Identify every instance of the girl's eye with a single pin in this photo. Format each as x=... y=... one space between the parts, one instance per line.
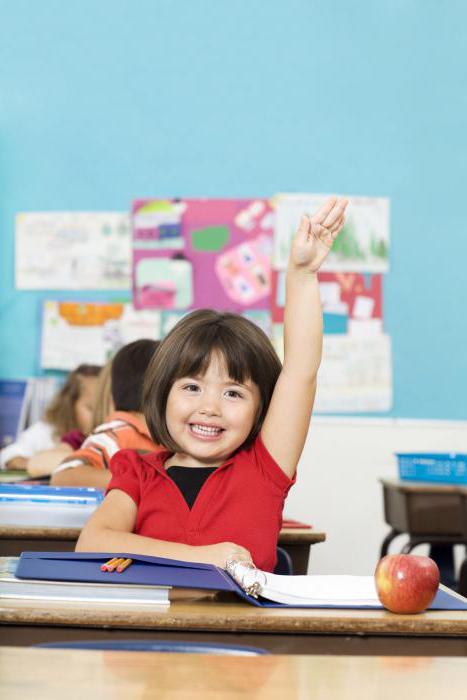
x=191 y=387
x=233 y=394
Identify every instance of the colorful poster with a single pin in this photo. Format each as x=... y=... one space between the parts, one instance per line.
x=75 y=332
x=202 y=253
x=362 y=245
x=351 y=302
x=73 y=250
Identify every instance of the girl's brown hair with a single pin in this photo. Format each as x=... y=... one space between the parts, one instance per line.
x=103 y=404
x=186 y=351
x=61 y=411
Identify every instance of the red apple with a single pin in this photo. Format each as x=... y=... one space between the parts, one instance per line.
x=406 y=583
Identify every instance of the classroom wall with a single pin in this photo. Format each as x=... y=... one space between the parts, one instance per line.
x=103 y=102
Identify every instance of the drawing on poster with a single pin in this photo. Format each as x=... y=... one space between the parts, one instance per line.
x=73 y=250
x=244 y=270
x=157 y=224
x=163 y=283
x=362 y=245
x=77 y=332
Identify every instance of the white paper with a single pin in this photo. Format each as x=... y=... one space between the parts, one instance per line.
x=363 y=307
x=73 y=250
x=370 y=327
x=338 y=591
x=363 y=244
x=355 y=375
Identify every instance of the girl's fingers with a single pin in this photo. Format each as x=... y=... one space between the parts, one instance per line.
x=320 y=216
x=336 y=227
x=328 y=234
x=336 y=213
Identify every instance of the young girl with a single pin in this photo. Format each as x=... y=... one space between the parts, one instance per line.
x=233 y=423
x=70 y=410
x=46 y=461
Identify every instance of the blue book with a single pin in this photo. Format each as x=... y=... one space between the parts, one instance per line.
x=51 y=495
x=12 y=400
x=256 y=587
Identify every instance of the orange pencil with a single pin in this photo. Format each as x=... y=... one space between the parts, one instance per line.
x=105 y=566
x=114 y=564
x=124 y=565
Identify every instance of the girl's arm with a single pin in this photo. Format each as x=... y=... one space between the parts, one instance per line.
x=38 y=436
x=44 y=462
x=84 y=475
x=110 y=529
x=286 y=424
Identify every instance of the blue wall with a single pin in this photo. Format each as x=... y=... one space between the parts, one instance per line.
x=104 y=101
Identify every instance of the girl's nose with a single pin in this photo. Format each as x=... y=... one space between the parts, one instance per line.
x=209 y=410
x=209 y=406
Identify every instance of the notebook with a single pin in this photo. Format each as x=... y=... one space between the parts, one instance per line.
x=34 y=589
x=253 y=585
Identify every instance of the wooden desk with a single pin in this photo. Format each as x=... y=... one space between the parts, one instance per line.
x=229 y=620
x=33 y=674
x=14 y=540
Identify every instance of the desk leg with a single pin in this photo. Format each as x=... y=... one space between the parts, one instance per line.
x=442 y=553
x=300 y=555
x=387 y=541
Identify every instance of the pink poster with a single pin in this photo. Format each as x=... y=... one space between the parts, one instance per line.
x=202 y=253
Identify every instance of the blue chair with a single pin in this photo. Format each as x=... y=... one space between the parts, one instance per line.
x=284 y=564
x=159 y=646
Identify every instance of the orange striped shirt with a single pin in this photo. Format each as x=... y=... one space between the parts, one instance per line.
x=120 y=431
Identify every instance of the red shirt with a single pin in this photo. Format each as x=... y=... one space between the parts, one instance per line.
x=240 y=502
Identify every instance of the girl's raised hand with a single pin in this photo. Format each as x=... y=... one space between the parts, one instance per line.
x=316 y=234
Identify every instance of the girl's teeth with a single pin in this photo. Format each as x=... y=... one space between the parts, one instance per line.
x=205 y=430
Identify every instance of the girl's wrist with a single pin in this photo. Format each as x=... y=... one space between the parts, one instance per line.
x=301 y=271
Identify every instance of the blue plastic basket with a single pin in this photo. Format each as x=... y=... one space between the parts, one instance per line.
x=439 y=467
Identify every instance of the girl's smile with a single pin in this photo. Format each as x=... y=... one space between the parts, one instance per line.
x=205 y=431
x=210 y=416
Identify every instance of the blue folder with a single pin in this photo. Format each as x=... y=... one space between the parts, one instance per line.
x=145 y=570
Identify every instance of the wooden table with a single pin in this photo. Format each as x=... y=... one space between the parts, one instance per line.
x=230 y=620
x=14 y=540
x=33 y=674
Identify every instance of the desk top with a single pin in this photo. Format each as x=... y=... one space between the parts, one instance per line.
x=192 y=612
x=27 y=673
x=423 y=486
x=15 y=532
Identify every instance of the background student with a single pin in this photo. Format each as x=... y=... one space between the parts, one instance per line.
x=45 y=462
x=125 y=427
x=233 y=423
x=70 y=410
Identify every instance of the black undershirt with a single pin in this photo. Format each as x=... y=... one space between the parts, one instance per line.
x=190 y=480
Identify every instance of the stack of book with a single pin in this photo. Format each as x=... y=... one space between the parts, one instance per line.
x=75 y=592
